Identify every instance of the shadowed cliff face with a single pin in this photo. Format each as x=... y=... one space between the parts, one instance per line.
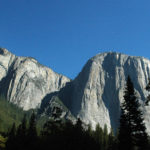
x=25 y=82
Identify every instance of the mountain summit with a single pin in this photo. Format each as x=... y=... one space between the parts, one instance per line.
x=26 y=82
x=97 y=92
x=94 y=95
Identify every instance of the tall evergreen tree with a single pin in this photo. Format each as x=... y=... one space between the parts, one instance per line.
x=32 y=132
x=132 y=131
x=22 y=129
x=99 y=136
x=105 y=138
x=21 y=135
x=111 y=141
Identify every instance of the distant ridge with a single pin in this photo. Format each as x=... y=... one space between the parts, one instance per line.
x=94 y=95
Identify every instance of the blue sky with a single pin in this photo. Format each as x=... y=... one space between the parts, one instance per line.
x=64 y=34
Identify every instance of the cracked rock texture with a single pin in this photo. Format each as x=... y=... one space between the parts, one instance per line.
x=49 y=108
x=25 y=82
x=96 y=93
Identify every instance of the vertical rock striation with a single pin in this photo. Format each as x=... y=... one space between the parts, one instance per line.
x=99 y=88
x=94 y=95
x=25 y=82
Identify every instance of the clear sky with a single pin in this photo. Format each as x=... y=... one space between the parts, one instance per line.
x=64 y=34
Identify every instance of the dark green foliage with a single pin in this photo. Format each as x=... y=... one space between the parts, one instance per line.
x=98 y=135
x=21 y=135
x=32 y=137
x=9 y=114
x=32 y=131
x=62 y=134
x=24 y=138
x=69 y=136
x=2 y=142
x=132 y=131
x=124 y=142
x=57 y=134
x=10 y=144
x=104 y=140
x=111 y=141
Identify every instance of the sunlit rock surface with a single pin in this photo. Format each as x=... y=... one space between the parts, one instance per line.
x=99 y=88
x=94 y=95
x=25 y=82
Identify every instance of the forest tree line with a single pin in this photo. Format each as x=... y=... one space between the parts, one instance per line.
x=58 y=133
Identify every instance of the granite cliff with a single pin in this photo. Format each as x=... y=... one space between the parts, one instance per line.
x=26 y=82
x=94 y=95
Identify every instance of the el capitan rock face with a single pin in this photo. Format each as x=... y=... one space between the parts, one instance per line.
x=25 y=82
x=99 y=88
x=94 y=95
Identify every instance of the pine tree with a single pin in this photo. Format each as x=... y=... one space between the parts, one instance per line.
x=21 y=135
x=22 y=129
x=111 y=141
x=32 y=132
x=132 y=131
x=98 y=136
x=89 y=130
x=105 y=138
